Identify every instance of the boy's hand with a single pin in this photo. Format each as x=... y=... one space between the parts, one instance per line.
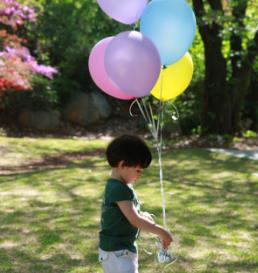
x=147 y=215
x=146 y=222
x=166 y=238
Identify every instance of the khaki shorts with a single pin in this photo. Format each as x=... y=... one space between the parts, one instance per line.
x=121 y=261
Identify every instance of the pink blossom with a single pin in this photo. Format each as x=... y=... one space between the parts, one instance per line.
x=17 y=65
x=14 y=14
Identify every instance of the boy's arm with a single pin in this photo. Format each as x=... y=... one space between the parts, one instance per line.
x=139 y=221
x=147 y=215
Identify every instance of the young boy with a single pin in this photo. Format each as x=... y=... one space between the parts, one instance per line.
x=121 y=218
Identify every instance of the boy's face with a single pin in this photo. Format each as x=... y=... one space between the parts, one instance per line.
x=130 y=174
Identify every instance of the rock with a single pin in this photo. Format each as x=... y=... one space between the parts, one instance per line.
x=247 y=124
x=85 y=109
x=101 y=104
x=40 y=120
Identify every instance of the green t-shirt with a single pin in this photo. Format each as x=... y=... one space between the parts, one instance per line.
x=116 y=231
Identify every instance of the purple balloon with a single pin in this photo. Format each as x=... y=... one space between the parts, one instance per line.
x=98 y=72
x=132 y=62
x=124 y=11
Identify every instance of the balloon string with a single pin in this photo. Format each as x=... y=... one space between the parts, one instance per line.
x=155 y=127
x=175 y=116
x=167 y=266
x=159 y=139
x=152 y=125
x=161 y=103
x=159 y=149
x=131 y=107
x=146 y=115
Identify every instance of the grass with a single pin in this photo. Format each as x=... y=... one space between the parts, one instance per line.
x=49 y=213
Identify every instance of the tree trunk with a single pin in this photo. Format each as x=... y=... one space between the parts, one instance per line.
x=242 y=82
x=240 y=78
x=251 y=103
x=216 y=117
x=223 y=99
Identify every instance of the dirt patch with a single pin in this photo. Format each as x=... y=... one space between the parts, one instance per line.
x=66 y=159
x=214 y=142
x=109 y=129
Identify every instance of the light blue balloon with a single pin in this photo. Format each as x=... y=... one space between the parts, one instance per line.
x=171 y=25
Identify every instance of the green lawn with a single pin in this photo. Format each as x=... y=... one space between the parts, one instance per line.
x=50 y=192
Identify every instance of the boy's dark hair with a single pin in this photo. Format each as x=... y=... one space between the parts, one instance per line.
x=128 y=148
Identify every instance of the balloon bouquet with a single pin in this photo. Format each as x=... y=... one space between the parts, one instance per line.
x=154 y=60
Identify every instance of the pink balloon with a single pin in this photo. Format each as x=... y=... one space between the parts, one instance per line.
x=98 y=71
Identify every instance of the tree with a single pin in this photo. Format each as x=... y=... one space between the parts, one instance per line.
x=65 y=35
x=231 y=47
x=17 y=65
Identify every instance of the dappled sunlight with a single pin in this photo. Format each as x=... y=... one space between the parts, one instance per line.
x=50 y=216
x=8 y=244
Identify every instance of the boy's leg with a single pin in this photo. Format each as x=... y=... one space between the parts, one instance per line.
x=122 y=261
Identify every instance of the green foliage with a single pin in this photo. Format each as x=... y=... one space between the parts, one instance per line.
x=65 y=35
x=197 y=53
x=66 y=31
x=43 y=88
x=42 y=97
x=189 y=105
x=198 y=130
x=250 y=134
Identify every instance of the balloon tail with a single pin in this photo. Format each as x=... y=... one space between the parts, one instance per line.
x=147 y=116
x=175 y=114
x=131 y=107
x=151 y=121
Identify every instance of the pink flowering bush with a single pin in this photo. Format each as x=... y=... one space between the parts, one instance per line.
x=17 y=65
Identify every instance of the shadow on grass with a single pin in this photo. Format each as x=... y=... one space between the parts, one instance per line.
x=47 y=238
x=211 y=206
x=58 y=263
x=51 y=162
x=55 y=227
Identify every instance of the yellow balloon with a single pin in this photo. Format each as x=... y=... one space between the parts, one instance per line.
x=174 y=79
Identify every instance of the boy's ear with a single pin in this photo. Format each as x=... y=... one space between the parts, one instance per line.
x=121 y=164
